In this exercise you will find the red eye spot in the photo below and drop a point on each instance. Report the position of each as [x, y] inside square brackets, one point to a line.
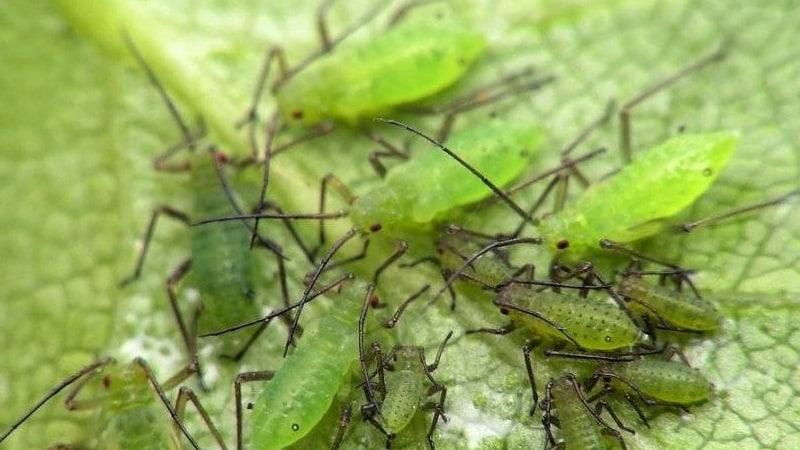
[562, 244]
[503, 311]
[297, 114]
[375, 227]
[106, 381]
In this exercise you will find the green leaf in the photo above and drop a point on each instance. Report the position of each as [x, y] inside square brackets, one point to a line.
[80, 126]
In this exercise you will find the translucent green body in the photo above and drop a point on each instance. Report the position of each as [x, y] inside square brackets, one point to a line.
[667, 381]
[594, 323]
[300, 393]
[405, 389]
[635, 203]
[129, 413]
[579, 430]
[223, 265]
[431, 183]
[682, 310]
[364, 80]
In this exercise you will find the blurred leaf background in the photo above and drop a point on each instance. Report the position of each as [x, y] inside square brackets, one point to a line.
[79, 127]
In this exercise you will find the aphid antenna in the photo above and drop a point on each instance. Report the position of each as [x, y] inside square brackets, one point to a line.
[618, 247]
[507, 305]
[499, 192]
[392, 321]
[265, 320]
[491, 247]
[691, 226]
[217, 158]
[483, 96]
[272, 129]
[628, 106]
[80, 374]
[313, 280]
[282, 216]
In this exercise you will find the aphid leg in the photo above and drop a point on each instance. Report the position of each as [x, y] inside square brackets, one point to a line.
[579, 392]
[400, 14]
[274, 54]
[484, 95]
[691, 226]
[371, 408]
[392, 321]
[180, 376]
[628, 106]
[526, 354]
[188, 335]
[400, 250]
[602, 405]
[344, 422]
[82, 375]
[437, 406]
[616, 435]
[246, 377]
[166, 211]
[489, 248]
[186, 394]
[498, 331]
[161, 162]
[547, 418]
[559, 179]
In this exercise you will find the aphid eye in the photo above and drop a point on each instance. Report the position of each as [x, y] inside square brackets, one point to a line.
[504, 311]
[295, 427]
[375, 227]
[249, 405]
[297, 114]
[707, 172]
[562, 244]
[106, 381]
[221, 157]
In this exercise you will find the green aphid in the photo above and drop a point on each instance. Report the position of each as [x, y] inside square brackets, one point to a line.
[299, 394]
[654, 381]
[581, 426]
[588, 322]
[222, 267]
[621, 208]
[362, 80]
[129, 403]
[668, 308]
[427, 187]
[404, 383]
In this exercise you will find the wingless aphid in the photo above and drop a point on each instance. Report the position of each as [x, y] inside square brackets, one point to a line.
[298, 395]
[581, 426]
[655, 381]
[126, 399]
[404, 65]
[222, 266]
[404, 382]
[621, 207]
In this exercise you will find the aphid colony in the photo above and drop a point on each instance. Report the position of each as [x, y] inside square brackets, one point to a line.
[617, 326]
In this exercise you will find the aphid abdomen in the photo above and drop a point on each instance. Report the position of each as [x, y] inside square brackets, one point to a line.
[300, 393]
[578, 428]
[681, 310]
[621, 208]
[667, 381]
[594, 323]
[221, 260]
[405, 388]
[363, 80]
[431, 184]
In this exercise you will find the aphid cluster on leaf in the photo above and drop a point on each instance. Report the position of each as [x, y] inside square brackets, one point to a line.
[613, 320]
